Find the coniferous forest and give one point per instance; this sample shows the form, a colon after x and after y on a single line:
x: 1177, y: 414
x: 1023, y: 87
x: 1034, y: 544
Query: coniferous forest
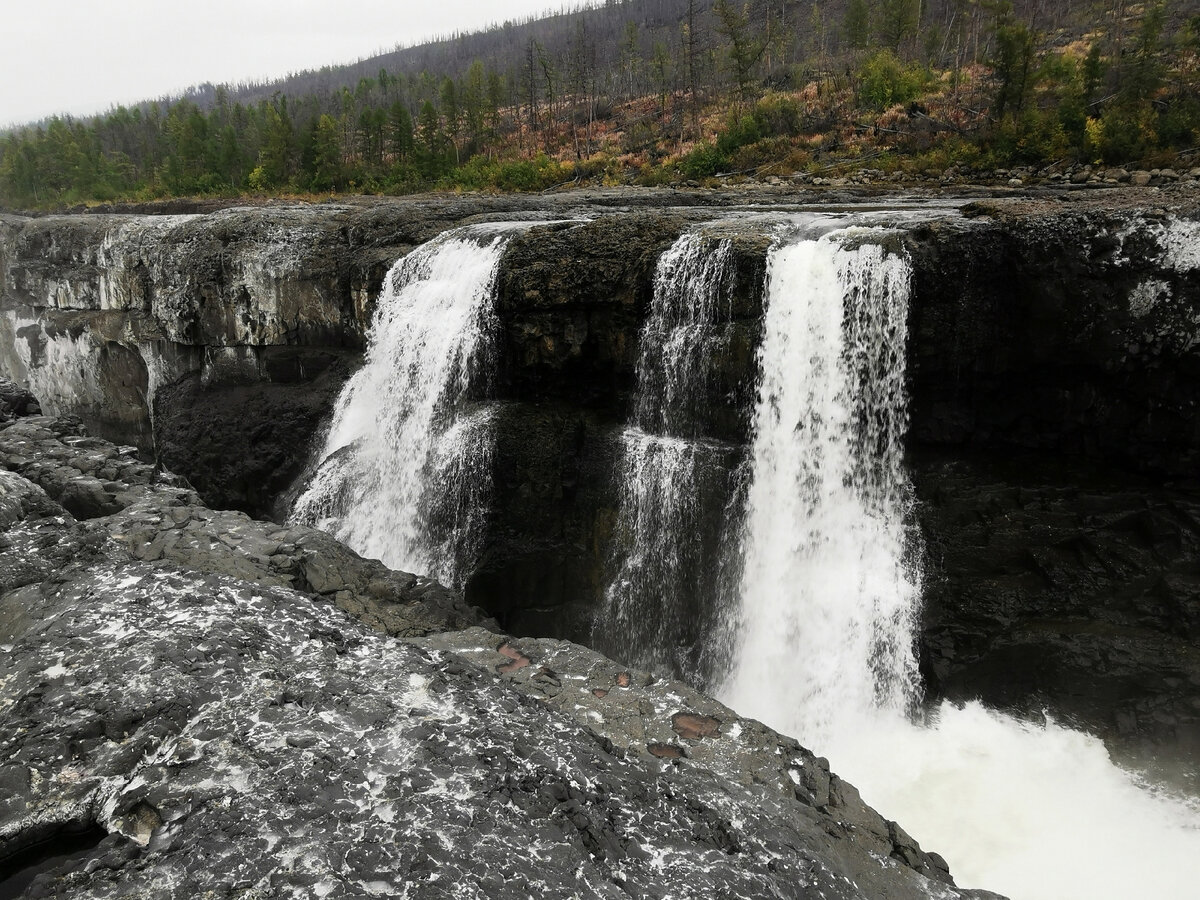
x: 658, y: 92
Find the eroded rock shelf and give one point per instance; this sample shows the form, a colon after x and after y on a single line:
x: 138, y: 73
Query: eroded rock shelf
x: 206, y: 694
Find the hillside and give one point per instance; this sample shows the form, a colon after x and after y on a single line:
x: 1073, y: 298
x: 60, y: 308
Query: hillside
x: 661, y: 91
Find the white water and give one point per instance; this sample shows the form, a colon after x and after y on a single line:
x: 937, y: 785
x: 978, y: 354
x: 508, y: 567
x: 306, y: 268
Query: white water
x: 827, y: 605
x: 824, y: 634
x: 405, y: 469
x: 658, y: 566
x: 690, y: 281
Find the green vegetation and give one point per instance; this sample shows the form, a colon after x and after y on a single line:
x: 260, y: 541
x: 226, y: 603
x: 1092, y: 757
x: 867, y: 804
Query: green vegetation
x: 884, y: 81
x: 698, y: 90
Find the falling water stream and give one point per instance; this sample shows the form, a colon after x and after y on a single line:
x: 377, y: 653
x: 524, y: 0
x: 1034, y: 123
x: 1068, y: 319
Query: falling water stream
x: 822, y: 627
x: 828, y: 602
x: 405, y: 470
x: 829, y: 596
x: 661, y: 574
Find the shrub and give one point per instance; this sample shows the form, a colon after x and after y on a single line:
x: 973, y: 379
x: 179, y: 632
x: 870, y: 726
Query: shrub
x: 479, y: 174
x: 1032, y: 137
x: 402, y: 178
x: 777, y: 114
x: 884, y: 81
x: 1179, y: 125
x: 1125, y: 134
x: 703, y: 162
x: 257, y: 179
x: 737, y: 133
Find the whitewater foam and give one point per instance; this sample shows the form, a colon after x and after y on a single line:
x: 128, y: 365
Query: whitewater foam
x: 829, y: 597
x: 405, y: 470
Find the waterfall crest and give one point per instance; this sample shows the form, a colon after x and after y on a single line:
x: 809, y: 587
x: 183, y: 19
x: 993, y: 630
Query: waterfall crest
x: 405, y: 469
x: 691, y: 280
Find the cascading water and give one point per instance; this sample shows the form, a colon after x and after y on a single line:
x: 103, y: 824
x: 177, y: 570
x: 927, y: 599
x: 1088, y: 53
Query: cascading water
x: 690, y: 281
x: 661, y: 575
x: 823, y: 636
x: 405, y: 468
x: 827, y: 603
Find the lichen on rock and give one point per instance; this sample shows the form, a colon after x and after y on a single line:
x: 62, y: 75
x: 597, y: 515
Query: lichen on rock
x: 183, y: 681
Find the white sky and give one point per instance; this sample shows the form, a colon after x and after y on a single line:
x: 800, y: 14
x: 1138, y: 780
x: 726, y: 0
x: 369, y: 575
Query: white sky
x: 84, y: 56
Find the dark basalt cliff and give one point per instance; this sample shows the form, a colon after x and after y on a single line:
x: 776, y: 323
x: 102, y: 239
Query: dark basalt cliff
x: 572, y: 305
x: 192, y: 704
x: 1053, y: 365
x: 1054, y: 439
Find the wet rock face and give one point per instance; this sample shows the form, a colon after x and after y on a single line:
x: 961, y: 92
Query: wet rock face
x: 102, y: 314
x: 1054, y: 443
x: 571, y: 301
x: 184, y: 711
x: 1060, y: 332
x: 243, y: 443
x: 1064, y: 586
x: 571, y: 305
x: 543, y: 563
x: 230, y: 278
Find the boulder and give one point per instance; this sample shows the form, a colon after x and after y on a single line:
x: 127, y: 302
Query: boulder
x: 16, y: 402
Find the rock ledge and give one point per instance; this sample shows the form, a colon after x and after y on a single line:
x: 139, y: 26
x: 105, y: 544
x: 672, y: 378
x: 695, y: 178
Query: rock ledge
x: 188, y: 707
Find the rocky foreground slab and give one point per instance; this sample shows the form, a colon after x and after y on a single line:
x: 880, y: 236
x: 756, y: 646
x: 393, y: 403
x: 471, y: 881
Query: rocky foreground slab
x: 194, y: 703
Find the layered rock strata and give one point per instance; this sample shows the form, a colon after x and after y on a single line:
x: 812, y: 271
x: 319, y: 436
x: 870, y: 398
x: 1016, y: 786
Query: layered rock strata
x: 1059, y: 333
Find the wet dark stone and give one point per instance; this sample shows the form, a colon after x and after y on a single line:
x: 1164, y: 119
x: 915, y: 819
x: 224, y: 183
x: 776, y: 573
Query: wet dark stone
x: 16, y: 402
x: 243, y: 445
x: 1065, y: 586
x: 63, y: 849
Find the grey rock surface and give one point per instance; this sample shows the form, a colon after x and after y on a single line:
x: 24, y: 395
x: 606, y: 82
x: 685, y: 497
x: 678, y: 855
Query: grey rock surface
x: 154, y: 517
x: 1052, y: 326
x: 220, y: 733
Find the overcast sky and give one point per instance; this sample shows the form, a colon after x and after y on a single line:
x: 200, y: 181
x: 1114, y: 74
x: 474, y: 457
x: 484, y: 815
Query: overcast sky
x: 84, y: 56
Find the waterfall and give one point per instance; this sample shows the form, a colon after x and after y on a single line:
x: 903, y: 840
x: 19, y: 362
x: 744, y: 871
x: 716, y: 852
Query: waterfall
x: 690, y: 281
x: 661, y: 571
x: 405, y: 469
x: 828, y: 603
x: 823, y: 633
